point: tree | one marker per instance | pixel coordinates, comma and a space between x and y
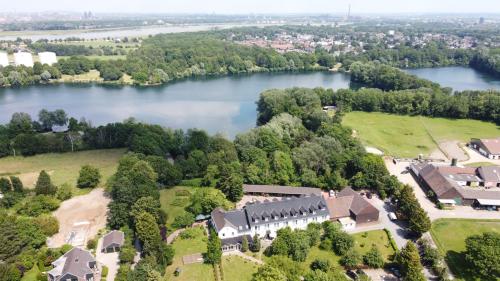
17, 184
268, 273
232, 186
255, 247
373, 258
351, 259
483, 254
20, 123
244, 244
214, 249
146, 204
64, 192
166, 255
44, 185
205, 200
127, 254
183, 220
318, 275
5, 185
148, 232
48, 224
409, 261
321, 264
419, 221
89, 177
342, 243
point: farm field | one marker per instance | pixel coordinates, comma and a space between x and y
63, 167
408, 136
453, 246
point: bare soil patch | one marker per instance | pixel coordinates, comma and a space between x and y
453, 150
80, 218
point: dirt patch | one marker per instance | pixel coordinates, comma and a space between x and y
194, 258
80, 218
453, 150
29, 179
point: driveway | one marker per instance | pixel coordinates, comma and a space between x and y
475, 157
397, 228
110, 260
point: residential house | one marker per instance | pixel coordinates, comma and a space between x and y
113, 241
75, 265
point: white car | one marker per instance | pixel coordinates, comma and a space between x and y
392, 216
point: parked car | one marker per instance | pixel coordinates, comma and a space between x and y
392, 216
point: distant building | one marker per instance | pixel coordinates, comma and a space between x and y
350, 209
113, 241
266, 218
77, 264
489, 148
47, 58
23, 58
481, 20
4, 59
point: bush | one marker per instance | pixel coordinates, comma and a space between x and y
326, 244
373, 258
351, 259
48, 224
104, 271
127, 254
64, 192
320, 264
92, 244
189, 233
186, 219
38, 205
89, 177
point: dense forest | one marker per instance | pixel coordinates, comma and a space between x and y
486, 61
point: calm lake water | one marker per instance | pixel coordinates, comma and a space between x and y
225, 105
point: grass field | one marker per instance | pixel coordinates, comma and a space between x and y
408, 136
113, 57
63, 167
197, 271
237, 268
362, 243
450, 235
173, 202
91, 76
31, 275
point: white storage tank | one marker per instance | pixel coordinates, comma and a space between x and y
23, 58
47, 58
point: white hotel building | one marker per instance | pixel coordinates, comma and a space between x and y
266, 218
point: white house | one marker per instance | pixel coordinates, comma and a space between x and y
4, 59
23, 58
266, 218
47, 58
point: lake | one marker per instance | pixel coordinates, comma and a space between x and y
225, 105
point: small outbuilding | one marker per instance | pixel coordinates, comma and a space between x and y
113, 241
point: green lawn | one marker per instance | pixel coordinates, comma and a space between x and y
198, 271
362, 243
173, 201
31, 275
408, 136
63, 167
450, 235
237, 268
480, 164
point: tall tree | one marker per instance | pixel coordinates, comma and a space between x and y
148, 232
5, 185
409, 261
483, 255
214, 249
17, 184
89, 177
44, 185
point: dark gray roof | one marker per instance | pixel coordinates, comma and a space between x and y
234, 218
275, 189
113, 238
236, 240
75, 262
491, 145
285, 209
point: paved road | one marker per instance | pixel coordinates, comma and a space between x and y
110, 260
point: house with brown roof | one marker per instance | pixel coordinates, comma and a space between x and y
460, 185
489, 148
76, 265
113, 241
350, 209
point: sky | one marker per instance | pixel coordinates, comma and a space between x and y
255, 6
